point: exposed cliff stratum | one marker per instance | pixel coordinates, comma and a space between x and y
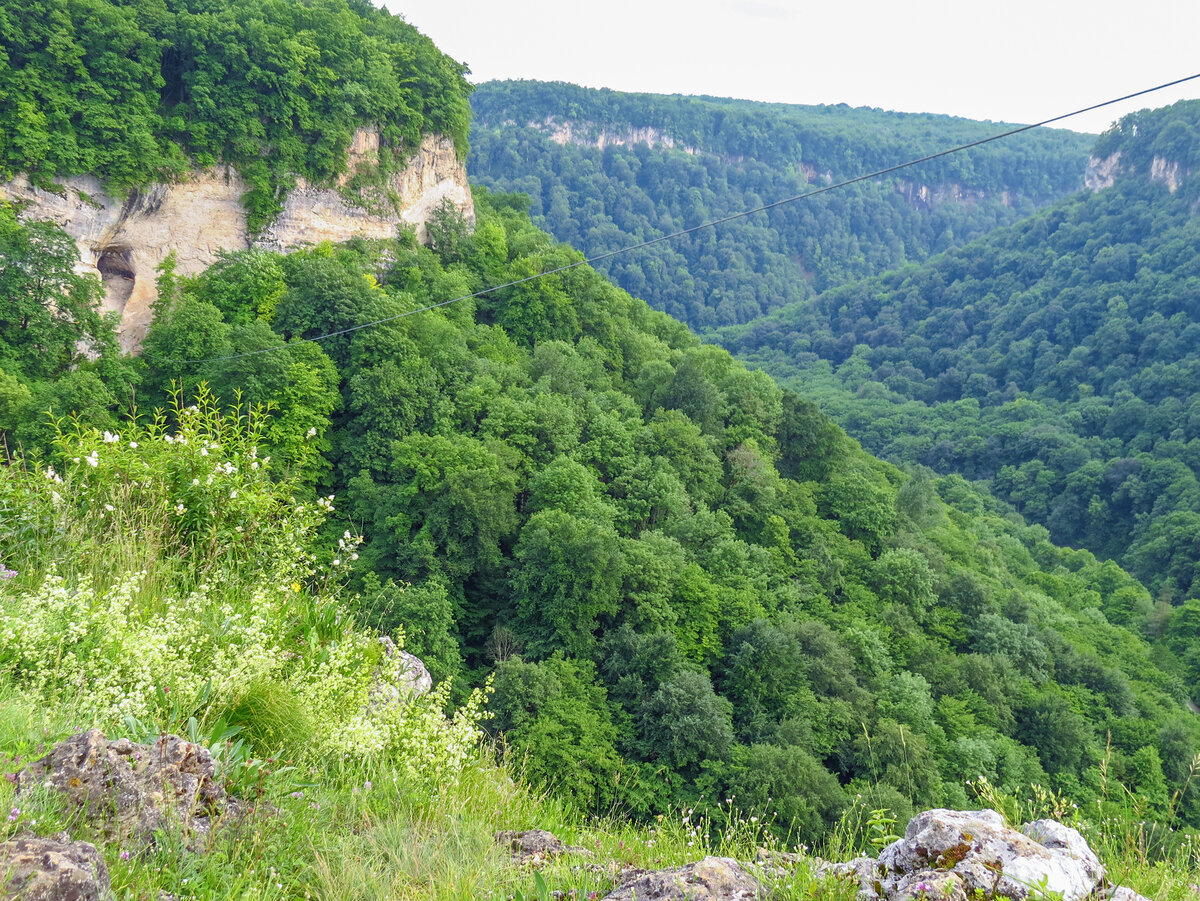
124, 241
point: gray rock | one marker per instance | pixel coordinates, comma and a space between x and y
711, 879
864, 871
130, 791
52, 869
1121, 893
534, 846
954, 854
399, 667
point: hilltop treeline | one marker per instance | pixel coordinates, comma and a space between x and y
137, 90
729, 156
686, 580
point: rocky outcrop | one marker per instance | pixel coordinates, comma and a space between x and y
589, 134
953, 854
123, 241
930, 197
536, 846
52, 869
1102, 172
129, 791
711, 879
945, 855
399, 676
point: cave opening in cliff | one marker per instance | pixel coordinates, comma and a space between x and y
115, 265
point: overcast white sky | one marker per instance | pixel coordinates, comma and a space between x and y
1014, 61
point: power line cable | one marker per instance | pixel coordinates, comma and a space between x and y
695, 228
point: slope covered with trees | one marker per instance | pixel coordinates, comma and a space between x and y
685, 580
1055, 360
688, 160
134, 91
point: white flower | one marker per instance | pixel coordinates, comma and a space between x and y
311, 433
110, 438
233, 494
133, 444
93, 459
195, 481
109, 507
204, 452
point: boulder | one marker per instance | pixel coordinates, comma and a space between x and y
131, 791
956, 854
535, 846
399, 668
711, 879
52, 869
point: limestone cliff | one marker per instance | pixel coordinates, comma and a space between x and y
1102, 172
123, 241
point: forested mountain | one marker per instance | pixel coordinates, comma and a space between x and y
605, 170
686, 580
1058, 360
137, 90
677, 580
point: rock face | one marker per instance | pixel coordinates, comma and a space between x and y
954, 854
131, 791
711, 879
123, 241
535, 846
52, 869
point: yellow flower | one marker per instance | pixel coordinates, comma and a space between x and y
296, 587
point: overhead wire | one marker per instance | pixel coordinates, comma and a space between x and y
687, 231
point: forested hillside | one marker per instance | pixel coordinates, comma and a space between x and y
1057, 360
686, 580
688, 160
133, 91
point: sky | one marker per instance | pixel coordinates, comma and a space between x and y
1017, 61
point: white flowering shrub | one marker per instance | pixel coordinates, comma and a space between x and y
160, 574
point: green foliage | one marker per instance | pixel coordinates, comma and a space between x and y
1053, 359
690, 581
133, 92
707, 157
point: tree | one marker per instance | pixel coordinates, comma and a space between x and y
567, 576
49, 314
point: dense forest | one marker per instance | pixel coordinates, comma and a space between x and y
699, 159
684, 580
141, 90
1056, 360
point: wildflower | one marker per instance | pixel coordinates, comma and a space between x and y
367, 785
133, 445
195, 481
233, 494
311, 433
124, 855
14, 815
93, 459
110, 438
6, 573
109, 507
921, 888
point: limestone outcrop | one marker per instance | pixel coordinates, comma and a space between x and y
129, 791
52, 869
123, 241
710, 879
